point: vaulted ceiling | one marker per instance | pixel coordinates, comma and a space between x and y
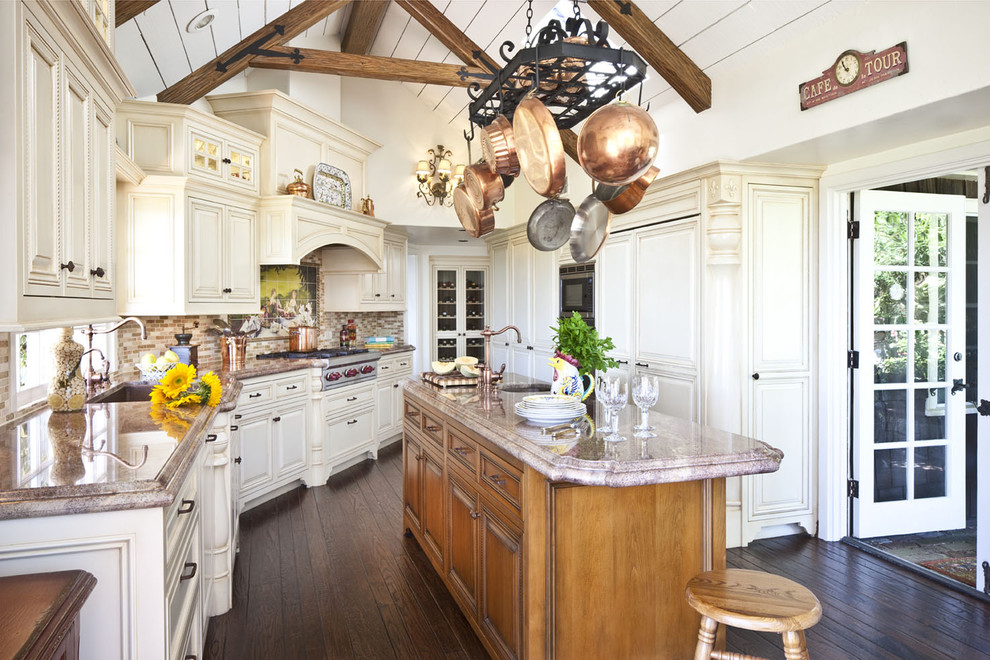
157, 51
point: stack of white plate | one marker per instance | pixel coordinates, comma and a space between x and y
549, 409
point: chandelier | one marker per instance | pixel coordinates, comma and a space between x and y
436, 179
571, 69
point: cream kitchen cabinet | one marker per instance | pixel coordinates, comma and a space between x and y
392, 370
349, 425
383, 291
459, 307
59, 195
185, 248
174, 139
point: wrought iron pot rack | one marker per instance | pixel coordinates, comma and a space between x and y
572, 68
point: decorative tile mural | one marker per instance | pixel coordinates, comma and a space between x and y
289, 297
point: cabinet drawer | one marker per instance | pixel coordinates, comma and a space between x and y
412, 414
254, 393
180, 514
398, 366
347, 399
463, 450
183, 596
290, 387
432, 428
501, 480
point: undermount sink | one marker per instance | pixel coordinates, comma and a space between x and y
124, 393
525, 387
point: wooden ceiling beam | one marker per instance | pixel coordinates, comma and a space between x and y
125, 10
287, 26
465, 49
362, 26
658, 50
370, 66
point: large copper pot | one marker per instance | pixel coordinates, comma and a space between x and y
541, 153
498, 145
476, 222
302, 338
618, 144
483, 186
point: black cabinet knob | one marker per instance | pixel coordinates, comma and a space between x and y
238, 460
98, 272
226, 161
228, 290
756, 376
69, 266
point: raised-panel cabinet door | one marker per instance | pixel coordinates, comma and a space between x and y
433, 525
241, 166
499, 286
290, 440
205, 245
388, 412
242, 262
205, 154
395, 268
521, 289
77, 184
42, 164
616, 280
546, 307
668, 291
255, 452
412, 481
462, 542
104, 185
500, 607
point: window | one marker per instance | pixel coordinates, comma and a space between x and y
31, 354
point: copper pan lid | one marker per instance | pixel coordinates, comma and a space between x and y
476, 222
483, 186
498, 145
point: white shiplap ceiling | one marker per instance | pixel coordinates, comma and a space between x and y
156, 51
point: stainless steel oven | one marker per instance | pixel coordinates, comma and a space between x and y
577, 291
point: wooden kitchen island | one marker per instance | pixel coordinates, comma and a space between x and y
579, 549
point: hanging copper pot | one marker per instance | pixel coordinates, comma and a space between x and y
476, 222
618, 143
541, 153
498, 145
620, 199
483, 186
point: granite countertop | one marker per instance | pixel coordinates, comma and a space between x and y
681, 451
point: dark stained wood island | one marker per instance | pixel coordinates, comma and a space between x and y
579, 549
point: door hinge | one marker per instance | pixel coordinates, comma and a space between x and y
852, 488
852, 230
852, 359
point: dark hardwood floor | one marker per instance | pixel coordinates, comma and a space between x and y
327, 573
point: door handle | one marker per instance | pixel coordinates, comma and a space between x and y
984, 407
957, 385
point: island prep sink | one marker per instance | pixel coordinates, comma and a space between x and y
124, 393
525, 387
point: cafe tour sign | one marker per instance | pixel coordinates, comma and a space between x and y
852, 72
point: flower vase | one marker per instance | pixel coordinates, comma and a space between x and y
67, 389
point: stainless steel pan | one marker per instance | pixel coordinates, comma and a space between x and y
592, 222
549, 226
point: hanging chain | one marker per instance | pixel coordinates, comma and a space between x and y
529, 23
577, 10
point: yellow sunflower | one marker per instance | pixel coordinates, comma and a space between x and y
182, 400
177, 379
158, 396
212, 381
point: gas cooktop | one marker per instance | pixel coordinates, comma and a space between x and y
318, 354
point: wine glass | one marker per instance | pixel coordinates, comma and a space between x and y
646, 391
614, 394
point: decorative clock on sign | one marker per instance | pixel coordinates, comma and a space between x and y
852, 72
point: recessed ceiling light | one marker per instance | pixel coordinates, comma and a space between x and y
201, 21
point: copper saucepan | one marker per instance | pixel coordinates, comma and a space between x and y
620, 199
477, 222
483, 186
498, 145
541, 153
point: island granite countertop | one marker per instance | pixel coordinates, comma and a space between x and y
681, 451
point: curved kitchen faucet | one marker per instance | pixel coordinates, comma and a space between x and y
91, 377
485, 377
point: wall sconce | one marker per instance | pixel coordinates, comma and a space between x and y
436, 178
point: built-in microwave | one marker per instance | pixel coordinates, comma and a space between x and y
577, 291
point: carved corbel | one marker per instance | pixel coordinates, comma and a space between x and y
723, 201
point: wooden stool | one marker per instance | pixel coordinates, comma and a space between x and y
752, 600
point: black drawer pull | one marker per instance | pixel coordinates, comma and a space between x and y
623, 361
238, 460
292, 387
643, 364
254, 396
495, 479
228, 290
234, 428
529, 348
378, 295
276, 419
237, 416
211, 437
353, 421
182, 508
403, 364
192, 573
351, 398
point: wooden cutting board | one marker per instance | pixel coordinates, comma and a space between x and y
453, 379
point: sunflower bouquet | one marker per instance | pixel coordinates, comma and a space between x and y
179, 386
175, 422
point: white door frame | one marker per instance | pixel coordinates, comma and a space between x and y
917, 161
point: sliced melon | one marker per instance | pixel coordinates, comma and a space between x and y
443, 367
470, 371
466, 360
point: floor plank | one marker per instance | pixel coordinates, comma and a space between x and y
326, 572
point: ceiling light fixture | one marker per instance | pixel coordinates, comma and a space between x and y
436, 178
201, 21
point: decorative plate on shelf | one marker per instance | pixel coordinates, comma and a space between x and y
331, 185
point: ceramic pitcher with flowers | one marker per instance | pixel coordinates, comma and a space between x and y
567, 380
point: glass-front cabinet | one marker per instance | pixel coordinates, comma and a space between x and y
459, 308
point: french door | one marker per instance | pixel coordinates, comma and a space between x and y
909, 437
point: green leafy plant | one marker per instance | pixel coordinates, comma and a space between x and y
573, 337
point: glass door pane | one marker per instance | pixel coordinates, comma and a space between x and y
446, 297
474, 300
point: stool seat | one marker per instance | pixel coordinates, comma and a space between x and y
752, 600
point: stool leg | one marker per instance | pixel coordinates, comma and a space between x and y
706, 639
795, 647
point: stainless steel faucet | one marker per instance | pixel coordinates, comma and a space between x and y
485, 383
90, 331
